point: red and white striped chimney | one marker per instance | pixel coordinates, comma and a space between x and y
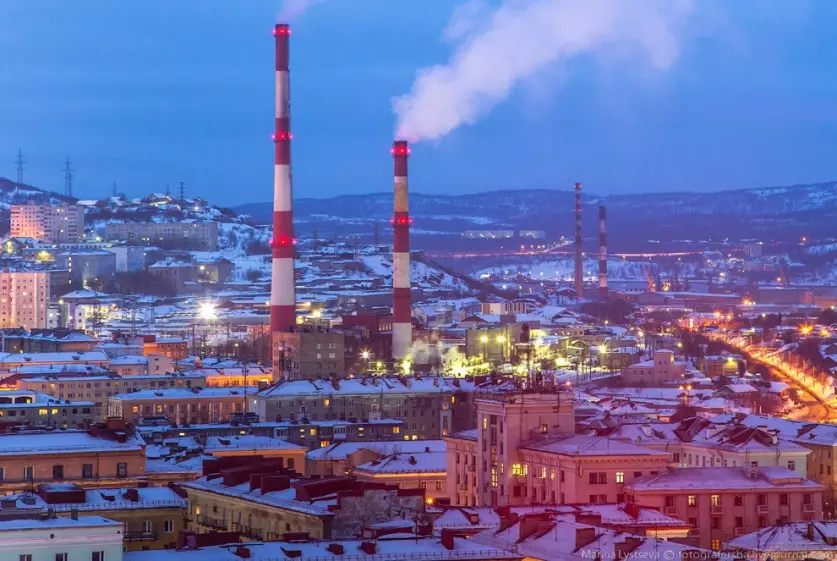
282, 296
402, 326
602, 253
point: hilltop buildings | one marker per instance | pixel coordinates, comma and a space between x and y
48, 223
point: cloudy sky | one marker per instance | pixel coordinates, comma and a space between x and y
724, 94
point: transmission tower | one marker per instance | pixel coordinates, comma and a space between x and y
182, 194
19, 163
114, 188
68, 178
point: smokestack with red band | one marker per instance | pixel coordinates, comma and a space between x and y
402, 326
579, 265
602, 254
282, 296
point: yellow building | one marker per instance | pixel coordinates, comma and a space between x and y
153, 516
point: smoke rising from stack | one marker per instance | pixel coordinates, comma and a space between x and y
579, 256
292, 9
496, 48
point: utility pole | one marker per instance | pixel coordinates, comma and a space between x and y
168, 190
114, 188
68, 178
19, 163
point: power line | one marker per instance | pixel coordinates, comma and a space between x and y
19, 163
68, 178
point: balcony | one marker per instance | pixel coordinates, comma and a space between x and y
809, 507
739, 531
248, 531
216, 523
140, 536
761, 509
671, 510
716, 509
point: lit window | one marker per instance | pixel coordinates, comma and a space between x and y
326, 402
485, 423
494, 477
620, 477
715, 500
520, 469
313, 431
324, 443
396, 430
692, 500
43, 412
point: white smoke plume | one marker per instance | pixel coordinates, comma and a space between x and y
292, 9
497, 47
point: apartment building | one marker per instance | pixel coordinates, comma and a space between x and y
106, 454
175, 235
424, 469
428, 407
24, 299
309, 354
11, 361
726, 502
342, 457
87, 265
82, 537
98, 389
524, 452
179, 405
49, 223
153, 516
262, 500
26, 408
662, 369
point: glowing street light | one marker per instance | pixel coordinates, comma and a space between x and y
207, 311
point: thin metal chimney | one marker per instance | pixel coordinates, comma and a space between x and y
602, 253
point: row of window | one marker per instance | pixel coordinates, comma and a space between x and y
94, 556
58, 471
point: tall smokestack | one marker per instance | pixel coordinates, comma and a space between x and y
579, 264
282, 297
602, 253
402, 326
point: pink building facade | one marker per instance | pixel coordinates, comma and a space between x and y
723, 503
662, 369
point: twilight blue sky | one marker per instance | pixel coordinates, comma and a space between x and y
151, 92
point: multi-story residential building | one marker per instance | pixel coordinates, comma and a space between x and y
248, 445
446, 547
428, 407
98, 389
662, 369
108, 454
786, 542
179, 405
24, 299
725, 502
311, 435
342, 457
48, 223
11, 361
309, 354
175, 348
697, 442
425, 469
153, 516
263, 501
131, 258
79, 537
176, 274
26, 408
176, 235
820, 439
524, 451
87, 265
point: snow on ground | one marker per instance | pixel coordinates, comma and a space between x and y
421, 273
562, 268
